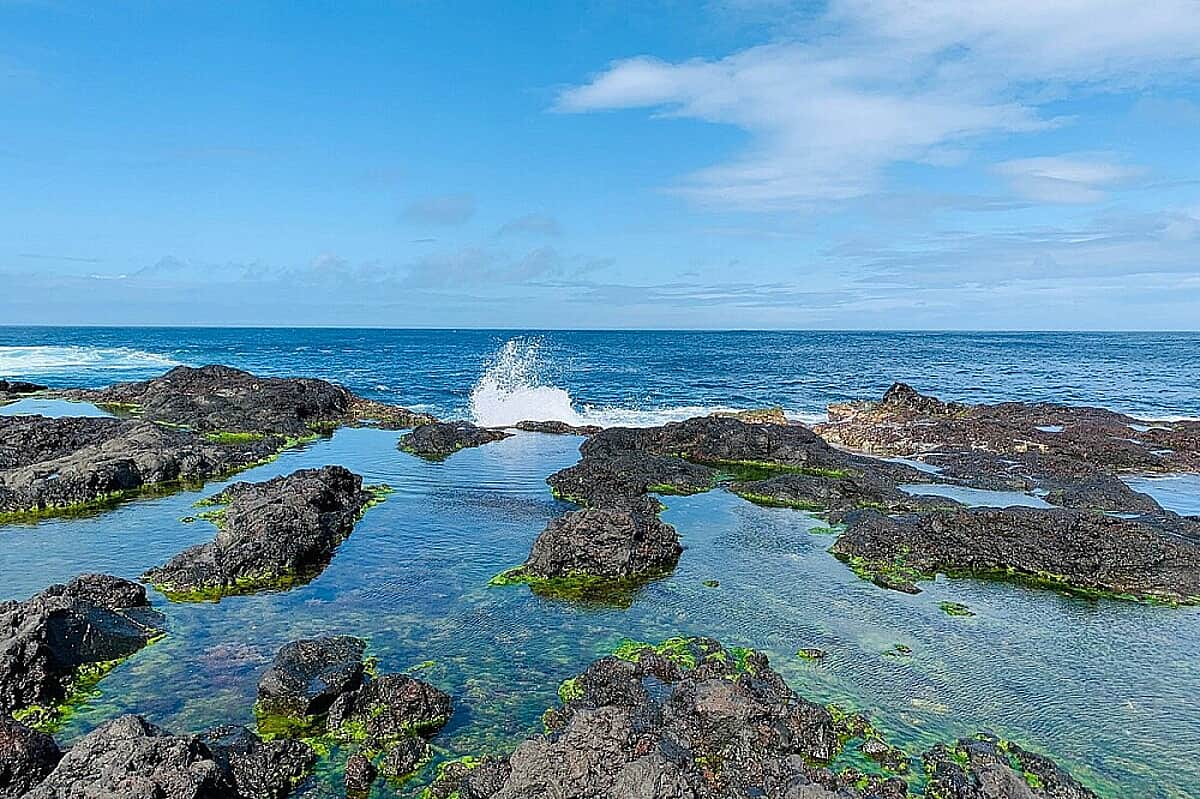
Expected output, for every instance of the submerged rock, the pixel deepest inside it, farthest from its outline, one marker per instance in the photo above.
(309, 674)
(221, 399)
(438, 440)
(57, 464)
(67, 635)
(129, 758)
(690, 719)
(359, 775)
(1147, 557)
(278, 532)
(26, 757)
(555, 427)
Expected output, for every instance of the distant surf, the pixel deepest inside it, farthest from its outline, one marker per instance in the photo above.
(34, 360)
(515, 388)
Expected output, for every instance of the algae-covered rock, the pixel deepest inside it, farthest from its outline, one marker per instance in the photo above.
(609, 480)
(986, 767)
(309, 674)
(67, 635)
(438, 440)
(260, 769)
(557, 428)
(1146, 557)
(273, 534)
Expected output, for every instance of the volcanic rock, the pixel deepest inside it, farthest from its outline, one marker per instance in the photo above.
(438, 440)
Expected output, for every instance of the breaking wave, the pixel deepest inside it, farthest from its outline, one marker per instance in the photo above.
(25, 361)
(515, 388)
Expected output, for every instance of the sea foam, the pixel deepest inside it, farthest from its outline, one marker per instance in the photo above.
(24, 361)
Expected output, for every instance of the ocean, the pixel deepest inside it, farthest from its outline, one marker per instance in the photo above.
(1106, 687)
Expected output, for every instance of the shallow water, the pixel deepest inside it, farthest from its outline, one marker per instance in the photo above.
(976, 497)
(1176, 492)
(1105, 686)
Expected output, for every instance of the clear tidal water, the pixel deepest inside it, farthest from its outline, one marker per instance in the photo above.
(1108, 688)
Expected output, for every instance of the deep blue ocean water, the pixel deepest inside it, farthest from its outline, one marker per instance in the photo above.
(1106, 687)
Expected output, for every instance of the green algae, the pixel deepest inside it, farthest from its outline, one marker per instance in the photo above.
(569, 690)
(955, 609)
(579, 586)
(766, 500)
(745, 471)
(234, 437)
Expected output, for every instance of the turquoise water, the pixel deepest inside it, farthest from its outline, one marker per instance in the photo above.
(1106, 687)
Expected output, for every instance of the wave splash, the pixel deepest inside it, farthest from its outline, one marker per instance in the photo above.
(514, 389)
(31, 360)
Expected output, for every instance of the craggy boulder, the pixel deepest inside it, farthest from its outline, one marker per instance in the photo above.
(610, 480)
(986, 767)
(26, 757)
(309, 674)
(68, 634)
(438, 440)
(129, 758)
(1146, 557)
(271, 534)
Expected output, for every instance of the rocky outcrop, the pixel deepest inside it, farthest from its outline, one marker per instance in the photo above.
(129, 758)
(986, 767)
(613, 480)
(66, 636)
(273, 534)
(13, 390)
(1151, 557)
(321, 686)
(221, 399)
(692, 719)
(438, 440)
(26, 757)
(599, 551)
(557, 428)
(49, 465)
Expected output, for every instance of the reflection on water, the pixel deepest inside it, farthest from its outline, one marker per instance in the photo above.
(976, 497)
(1108, 687)
(30, 406)
(1176, 492)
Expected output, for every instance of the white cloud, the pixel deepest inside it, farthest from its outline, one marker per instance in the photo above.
(874, 83)
(1065, 179)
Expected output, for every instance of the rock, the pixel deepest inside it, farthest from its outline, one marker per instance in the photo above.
(1147, 557)
(129, 758)
(260, 769)
(609, 480)
(17, 387)
(986, 767)
(610, 543)
(309, 674)
(359, 774)
(26, 757)
(58, 464)
(439, 440)
(691, 719)
(772, 415)
(811, 653)
(833, 493)
(404, 757)
(69, 633)
(554, 427)
(279, 532)
(391, 708)
(214, 399)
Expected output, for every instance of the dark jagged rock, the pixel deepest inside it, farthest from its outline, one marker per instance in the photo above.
(260, 769)
(986, 767)
(837, 494)
(555, 427)
(16, 388)
(321, 686)
(609, 480)
(221, 399)
(1154, 557)
(359, 775)
(56, 464)
(271, 534)
(26, 757)
(603, 545)
(68, 634)
(438, 440)
(689, 719)
(772, 415)
(129, 758)
(309, 674)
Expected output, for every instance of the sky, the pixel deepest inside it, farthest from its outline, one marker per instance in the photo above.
(862, 164)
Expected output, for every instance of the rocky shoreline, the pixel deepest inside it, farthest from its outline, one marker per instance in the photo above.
(686, 718)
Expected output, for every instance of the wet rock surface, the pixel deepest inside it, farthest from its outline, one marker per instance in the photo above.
(986, 767)
(61, 463)
(221, 399)
(26, 757)
(322, 686)
(613, 480)
(692, 719)
(284, 530)
(554, 427)
(1147, 557)
(69, 633)
(129, 758)
(12, 390)
(438, 440)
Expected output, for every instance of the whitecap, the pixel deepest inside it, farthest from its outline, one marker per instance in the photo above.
(32, 360)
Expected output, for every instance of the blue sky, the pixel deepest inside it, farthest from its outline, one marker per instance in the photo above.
(750, 164)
